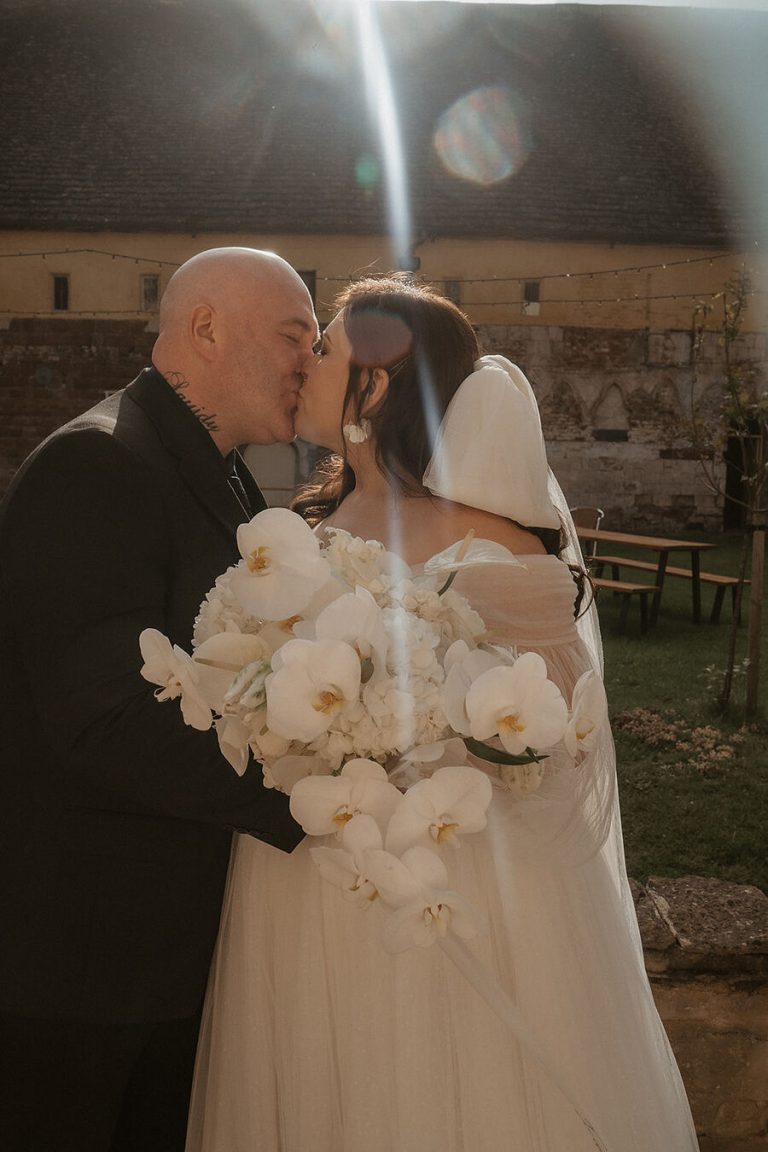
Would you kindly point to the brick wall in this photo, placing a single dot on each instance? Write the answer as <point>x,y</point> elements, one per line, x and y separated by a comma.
<point>51,370</point>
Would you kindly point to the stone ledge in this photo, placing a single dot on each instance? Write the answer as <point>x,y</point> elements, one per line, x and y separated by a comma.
<point>702,925</point>
<point>706,953</point>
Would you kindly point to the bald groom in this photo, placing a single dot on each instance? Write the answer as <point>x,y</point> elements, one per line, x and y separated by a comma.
<point>116,818</point>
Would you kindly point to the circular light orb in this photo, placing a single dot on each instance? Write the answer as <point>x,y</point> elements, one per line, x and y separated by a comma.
<point>483,137</point>
<point>367,170</point>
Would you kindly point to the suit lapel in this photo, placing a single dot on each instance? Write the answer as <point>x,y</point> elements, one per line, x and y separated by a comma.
<point>197,458</point>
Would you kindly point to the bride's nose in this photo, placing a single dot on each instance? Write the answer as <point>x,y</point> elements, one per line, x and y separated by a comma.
<point>310,360</point>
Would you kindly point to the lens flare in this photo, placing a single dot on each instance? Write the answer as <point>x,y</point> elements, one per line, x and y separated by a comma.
<point>484,136</point>
<point>367,170</point>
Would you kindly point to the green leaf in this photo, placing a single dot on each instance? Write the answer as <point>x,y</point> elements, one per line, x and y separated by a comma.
<point>496,756</point>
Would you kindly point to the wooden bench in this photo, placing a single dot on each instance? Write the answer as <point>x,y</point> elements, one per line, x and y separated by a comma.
<point>720,583</point>
<point>627,591</point>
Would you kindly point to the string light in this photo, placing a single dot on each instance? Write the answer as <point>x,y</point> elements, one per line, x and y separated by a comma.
<point>92,252</point>
<point>582,302</point>
<point>513,304</point>
<point>629,270</point>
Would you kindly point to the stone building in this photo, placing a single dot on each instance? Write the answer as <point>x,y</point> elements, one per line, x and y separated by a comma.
<point>581,180</point>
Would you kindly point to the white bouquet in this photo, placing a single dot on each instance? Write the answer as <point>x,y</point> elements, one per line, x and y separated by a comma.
<point>363,688</point>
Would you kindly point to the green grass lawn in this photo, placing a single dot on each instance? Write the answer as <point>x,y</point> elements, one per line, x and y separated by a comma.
<point>693,785</point>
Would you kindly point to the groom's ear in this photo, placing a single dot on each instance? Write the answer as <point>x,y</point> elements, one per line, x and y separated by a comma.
<point>202,331</point>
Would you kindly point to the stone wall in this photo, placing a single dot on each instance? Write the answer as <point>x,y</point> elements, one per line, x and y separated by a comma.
<point>614,403</point>
<point>616,408</point>
<point>706,954</point>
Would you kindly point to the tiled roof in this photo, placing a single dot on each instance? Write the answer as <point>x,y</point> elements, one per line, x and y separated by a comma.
<point>251,116</point>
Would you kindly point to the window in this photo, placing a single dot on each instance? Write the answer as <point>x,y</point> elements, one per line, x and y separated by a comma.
<point>60,293</point>
<point>150,293</point>
<point>310,279</point>
<point>452,289</point>
<point>531,298</point>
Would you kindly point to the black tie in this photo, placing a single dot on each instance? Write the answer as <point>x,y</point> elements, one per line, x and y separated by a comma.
<point>238,488</point>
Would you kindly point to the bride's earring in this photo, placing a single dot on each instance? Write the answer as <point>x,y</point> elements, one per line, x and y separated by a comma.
<point>357,433</point>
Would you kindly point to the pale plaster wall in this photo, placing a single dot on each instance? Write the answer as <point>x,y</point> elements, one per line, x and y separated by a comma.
<point>100,284</point>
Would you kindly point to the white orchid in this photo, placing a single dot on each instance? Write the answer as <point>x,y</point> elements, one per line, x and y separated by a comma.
<point>324,804</point>
<point>282,568</point>
<point>416,886</point>
<point>589,712</point>
<point>518,704</point>
<point>312,683</point>
<point>356,619</point>
<point>345,867</point>
<point>436,811</point>
<point>173,670</point>
<point>463,665</point>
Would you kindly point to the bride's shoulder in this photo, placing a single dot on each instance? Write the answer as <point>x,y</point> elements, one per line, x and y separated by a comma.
<point>489,526</point>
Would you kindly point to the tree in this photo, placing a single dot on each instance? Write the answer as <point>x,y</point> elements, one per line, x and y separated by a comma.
<point>743,421</point>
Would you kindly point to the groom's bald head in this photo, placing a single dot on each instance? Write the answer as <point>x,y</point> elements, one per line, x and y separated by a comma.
<point>237,326</point>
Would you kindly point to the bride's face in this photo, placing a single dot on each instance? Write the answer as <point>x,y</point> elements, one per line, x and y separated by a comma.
<point>322,396</point>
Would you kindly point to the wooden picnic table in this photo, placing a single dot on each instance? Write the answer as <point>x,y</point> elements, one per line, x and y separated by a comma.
<point>663,547</point>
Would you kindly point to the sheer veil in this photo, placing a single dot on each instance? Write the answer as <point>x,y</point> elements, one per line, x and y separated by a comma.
<point>490,454</point>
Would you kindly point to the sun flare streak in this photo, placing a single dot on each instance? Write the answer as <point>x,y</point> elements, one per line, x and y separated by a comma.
<point>383,111</point>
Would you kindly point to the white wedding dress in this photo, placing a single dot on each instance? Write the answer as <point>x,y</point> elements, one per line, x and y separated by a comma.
<point>316,1039</point>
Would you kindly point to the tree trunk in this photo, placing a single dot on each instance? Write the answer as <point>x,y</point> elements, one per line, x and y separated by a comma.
<point>758,568</point>
<point>725,694</point>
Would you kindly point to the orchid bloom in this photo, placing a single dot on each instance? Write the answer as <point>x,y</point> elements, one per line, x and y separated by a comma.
<point>463,665</point>
<point>519,704</point>
<point>356,619</point>
<point>450,803</point>
<point>313,681</point>
<point>589,712</point>
<point>174,672</point>
<point>281,567</point>
<point>416,887</point>
<point>325,804</point>
<point>345,867</point>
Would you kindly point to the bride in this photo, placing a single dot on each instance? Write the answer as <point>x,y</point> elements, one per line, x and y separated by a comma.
<point>316,1039</point>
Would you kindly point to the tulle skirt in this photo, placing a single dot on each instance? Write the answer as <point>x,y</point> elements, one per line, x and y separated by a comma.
<point>316,1039</point>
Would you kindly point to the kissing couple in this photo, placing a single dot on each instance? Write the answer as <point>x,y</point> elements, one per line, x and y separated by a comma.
<point>175,972</point>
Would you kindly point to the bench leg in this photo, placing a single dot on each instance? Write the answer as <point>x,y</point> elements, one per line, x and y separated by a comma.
<point>717,605</point>
<point>625,597</point>
<point>643,611</point>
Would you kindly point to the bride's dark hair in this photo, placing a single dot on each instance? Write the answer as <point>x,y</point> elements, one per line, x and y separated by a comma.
<point>428,347</point>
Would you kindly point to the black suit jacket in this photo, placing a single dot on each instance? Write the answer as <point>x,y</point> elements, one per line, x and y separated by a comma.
<point>115,818</point>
